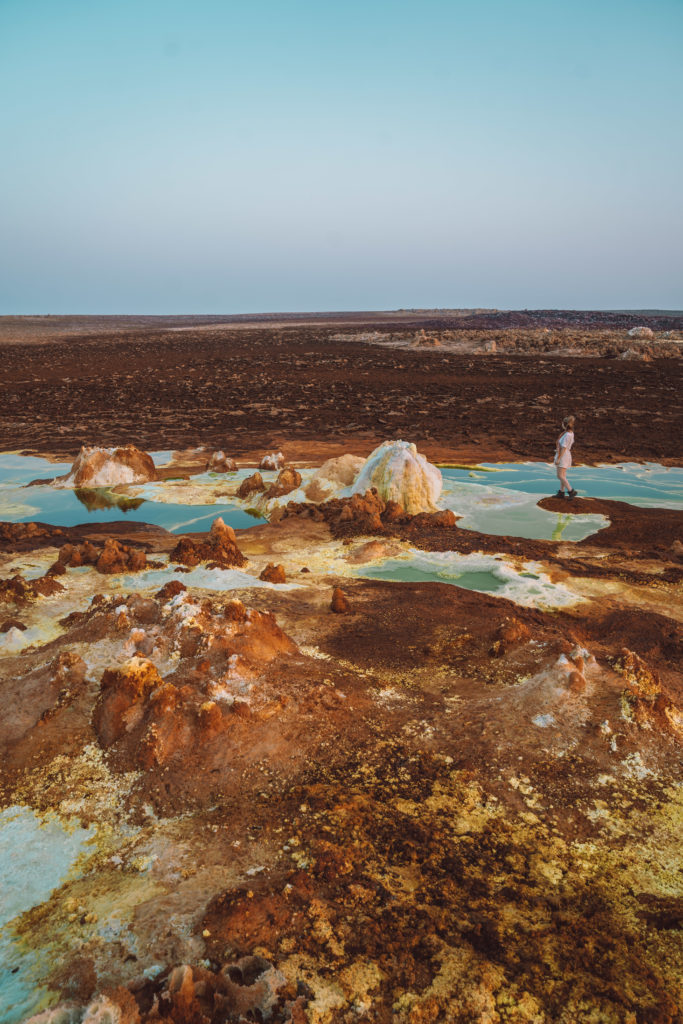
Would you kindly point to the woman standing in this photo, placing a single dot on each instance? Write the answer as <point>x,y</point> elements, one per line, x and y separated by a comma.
<point>563,457</point>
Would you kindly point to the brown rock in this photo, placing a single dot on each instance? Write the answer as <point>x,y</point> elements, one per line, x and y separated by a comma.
<point>68,669</point>
<point>170,590</point>
<point>221,533</point>
<point>137,560</point>
<point>12,624</point>
<point>46,587</point>
<point>273,573</point>
<point>576,681</point>
<point>16,590</point>
<point>89,553</point>
<point>220,548</point>
<point>512,631</point>
<point>251,485</point>
<point>113,559</point>
<point>275,460</point>
<point>210,717</point>
<point>431,520</point>
<point>288,480</point>
<point>122,693</point>
<point>423,340</point>
<point>393,513</point>
<point>241,708</point>
<point>235,611</point>
<point>339,603</point>
<point>363,511</point>
<point>143,609</point>
<point>220,463</point>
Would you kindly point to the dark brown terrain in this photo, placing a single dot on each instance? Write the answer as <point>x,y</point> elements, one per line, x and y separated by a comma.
<point>167,383</point>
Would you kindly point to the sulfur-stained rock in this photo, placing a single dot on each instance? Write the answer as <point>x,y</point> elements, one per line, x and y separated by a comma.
<point>251,485</point>
<point>273,573</point>
<point>122,694</point>
<point>644,681</point>
<point>18,591</point>
<point>399,473</point>
<point>106,467</point>
<point>220,463</point>
<point>339,603</point>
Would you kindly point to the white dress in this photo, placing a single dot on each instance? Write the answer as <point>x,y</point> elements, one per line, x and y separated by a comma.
<point>566,442</point>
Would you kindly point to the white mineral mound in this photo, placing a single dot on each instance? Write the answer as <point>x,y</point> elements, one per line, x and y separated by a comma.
<point>105,467</point>
<point>332,476</point>
<point>641,332</point>
<point>400,474</point>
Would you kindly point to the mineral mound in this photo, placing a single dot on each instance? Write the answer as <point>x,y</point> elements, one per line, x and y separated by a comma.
<point>106,467</point>
<point>149,719</point>
<point>221,463</point>
<point>399,473</point>
<point>332,476</point>
<point>220,548</point>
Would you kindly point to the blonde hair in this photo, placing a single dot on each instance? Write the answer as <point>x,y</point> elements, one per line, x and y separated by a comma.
<point>567,421</point>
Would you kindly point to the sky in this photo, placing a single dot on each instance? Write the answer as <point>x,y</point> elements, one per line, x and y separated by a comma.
<point>215,156</point>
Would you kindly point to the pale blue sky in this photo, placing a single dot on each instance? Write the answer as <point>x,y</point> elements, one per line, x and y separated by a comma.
<point>197,156</point>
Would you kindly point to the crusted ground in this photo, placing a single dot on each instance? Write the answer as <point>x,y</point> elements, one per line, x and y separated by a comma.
<point>326,798</point>
<point>434,805</point>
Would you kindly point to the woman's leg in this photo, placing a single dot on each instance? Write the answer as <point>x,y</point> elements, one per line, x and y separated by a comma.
<point>562,477</point>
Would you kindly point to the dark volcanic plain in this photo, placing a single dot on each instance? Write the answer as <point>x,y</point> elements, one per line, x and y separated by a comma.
<point>246,384</point>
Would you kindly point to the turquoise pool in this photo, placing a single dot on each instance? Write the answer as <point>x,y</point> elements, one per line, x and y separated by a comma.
<point>69,507</point>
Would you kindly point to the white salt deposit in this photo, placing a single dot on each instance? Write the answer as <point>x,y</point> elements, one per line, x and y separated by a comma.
<point>15,640</point>
<point>203,579</point>
<point>544,721</point>
<point>402,475</point>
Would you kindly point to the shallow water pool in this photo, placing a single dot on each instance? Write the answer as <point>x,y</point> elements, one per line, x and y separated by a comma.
<point>645,484</point>
<point>70,507</point>
<point>527,586</point>
<point>501,498</point>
